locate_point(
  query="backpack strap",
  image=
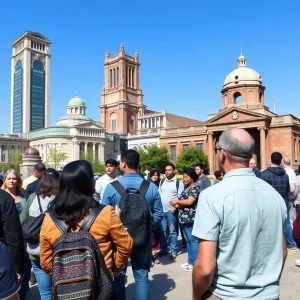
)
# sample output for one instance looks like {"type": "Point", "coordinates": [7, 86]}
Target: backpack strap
{"type": "Point", "coordinates": [119, 187]}
{"type": "Point", "coordinates": [89, 220]}
{"type": "Point", "coordinates": [60, 224]}
{"type": "Point", "coordinates": [161, 182]}
{"type": "Point", "coordinates": [177, 184]}
{"type": "Point", "coordinates": [144, 187]}
{"type": "Point", "coordinates": [40, 206]}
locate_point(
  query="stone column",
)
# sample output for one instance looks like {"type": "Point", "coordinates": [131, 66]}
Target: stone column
{"type": "Point", "coordinates": [263, 160]}
{"type": "Point", "coordinates": [210, 152]}
{"type": "Point", "coordinates": [102, 152]}
{"type": "Point", "coordinates": [85, 148]}
{"type": "Point", "coordinates": [94, 148]}
{"type": "Point", "coordinates": [99, 152]}
{"type": "Point", "coordinates": [0, 153]}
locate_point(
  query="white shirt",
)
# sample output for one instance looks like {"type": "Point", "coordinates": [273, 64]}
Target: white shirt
{"type": "Point", "coordinates": [292, 175]}
{"type": "Point", "coordinates": [102, 183]}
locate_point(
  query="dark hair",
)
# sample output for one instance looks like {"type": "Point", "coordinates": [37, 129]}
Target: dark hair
{"type": "Point", "coordinates": [52, 172]}
{"type": "Point", "coordinates": [40, 167]}
{"type": "Point", "coordinates": [74, 197]}
{"type": "Point", "coordinates": [131, 158]}
{"type": "Point", "coordinates": [191, 173]}
{"type": "Point", "coordinates": [200, 165]}
{"type": "Point", "coordinates": [218, 173]}
{"type": "Point", "coordinates": [112, 162]}
{"type": "Point", "coordinates": [48, 185]}
{"type": "Point", "coordinates": [276, 158]}
{"type": "Point", "coordinates": [153, 172]}
{"type": "Point", "coordinates": [170, 165]}
{"type": "Point", "coordinates": [298, 173]}
{"type": "Point", "coordinates": [1, 182]}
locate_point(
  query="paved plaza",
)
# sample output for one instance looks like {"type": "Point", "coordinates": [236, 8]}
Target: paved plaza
{"type": "Point", "coordinates": [169, 281]}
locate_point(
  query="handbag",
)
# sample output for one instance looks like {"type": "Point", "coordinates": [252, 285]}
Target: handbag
{"type": "Point", "coordinates": [32, 226]}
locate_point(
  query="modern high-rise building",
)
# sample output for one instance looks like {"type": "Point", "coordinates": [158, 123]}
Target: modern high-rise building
{"type": "Point", "coordinates": [30, 82]}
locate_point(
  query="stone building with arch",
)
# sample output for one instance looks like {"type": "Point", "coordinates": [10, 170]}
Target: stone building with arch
{"type": "Point", "coordinates": [242, 107]}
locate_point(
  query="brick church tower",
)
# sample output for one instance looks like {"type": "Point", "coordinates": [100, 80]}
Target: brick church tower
{"type": "Point", "coordinates": [122, 97]}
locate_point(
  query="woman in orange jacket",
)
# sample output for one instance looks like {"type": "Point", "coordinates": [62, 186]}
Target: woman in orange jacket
{"type": "Point", "coordinates": [72, 203]}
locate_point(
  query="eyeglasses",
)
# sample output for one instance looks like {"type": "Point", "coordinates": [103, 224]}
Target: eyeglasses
{"type": "Point", "coordinates": [219, 149]}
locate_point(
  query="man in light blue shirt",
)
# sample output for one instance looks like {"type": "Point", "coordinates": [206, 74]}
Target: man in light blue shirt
{"type": "Point", "coordinates": [240, 226]}
{"type": "Point", "coordinates": [140, 257]}
{"type": "Point", "coordinates": [170, 188]}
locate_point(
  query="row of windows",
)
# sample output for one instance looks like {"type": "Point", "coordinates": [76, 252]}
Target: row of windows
{"type": "Point", "coordinates": [37, 46]}
{"type": "Point", "coordinates": [114, 77]}
{"type": "Point", "coordinates": [130, 77]}
{"type": "Point", "coordinates": [18, 98]}
{"type": "Point", "coordinates": [199, 146]}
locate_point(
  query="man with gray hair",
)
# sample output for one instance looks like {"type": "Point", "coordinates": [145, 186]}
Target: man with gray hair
{"type": "Point", "coordinates": [239, 223]}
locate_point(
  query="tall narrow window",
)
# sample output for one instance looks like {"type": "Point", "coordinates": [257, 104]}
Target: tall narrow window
{"type": "Point", "coordinates": [185, 146]}
{"type": "Point", "coordinates": [37, 106]}
{"type": "Point", "coordinates": [129, 77]}
{"type": "Point", "coordinates": [126, 80]}
{"type": "Point", "coordinates": [18, 98]}
{"type": "Point", "coordinates": [199, 146]}
{"type": "Point", "coordinates": [133, 78]}
{"type": "Point", "coordinates": [114, 77]}
{"type": "Point", "coordinates": [110, 78]}
{"type": "Point", "coordinates": [113, 122]}
{"type": "Point", "coordinates": [173, 153]}
{"type": "Point", "coordinates": [118, 77]}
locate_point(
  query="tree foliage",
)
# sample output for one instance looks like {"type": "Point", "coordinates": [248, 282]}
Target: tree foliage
{"type": "Point", "coordinates": [153, 157]}
{"type": "Point", "coordinates": [56, 157]}
{"type": "Point", "coordinates": [189, 157]}
{"type": "Point", "coordinates": [15, 159]}
{"type": "Point", "coordinates": [92, 158]}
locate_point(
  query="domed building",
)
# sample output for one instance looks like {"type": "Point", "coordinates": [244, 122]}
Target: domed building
{"type": "Point", "coordinates": [73, 135]}
{"type": "Point", "coordinates": [242, 107]}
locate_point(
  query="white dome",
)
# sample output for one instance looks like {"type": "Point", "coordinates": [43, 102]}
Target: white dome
{"type": "Point", "coordinates": [242, 75]}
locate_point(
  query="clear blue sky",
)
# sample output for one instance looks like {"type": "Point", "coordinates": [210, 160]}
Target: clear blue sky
{"type": "Point", "coordinates": [186, 48]}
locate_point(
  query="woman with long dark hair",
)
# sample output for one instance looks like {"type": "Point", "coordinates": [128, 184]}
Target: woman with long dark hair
{"type": "Point", "coordinates": [155, 178]}
{"type": "Point", "coordinates": [186, 205]}
{"type": "Point", "coordinates": [73, 202]}
{"type": "Point", "coordinates": [44, 194]}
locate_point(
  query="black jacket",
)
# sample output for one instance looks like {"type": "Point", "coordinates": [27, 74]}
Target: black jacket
{"type": "Point", "coordinates": [279, 180]}
{"type": "Point", "coordinates": [10, 230]}
{"type": "Point", "coordinates": [31, 188]}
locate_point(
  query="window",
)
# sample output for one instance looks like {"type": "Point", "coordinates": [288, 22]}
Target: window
{"type": "Point", "coordinates": [37, 107]}
{"type": "Point", "coordinates": [113, 122]}
{"type": "Point", "coordinates": [173, 153]}
{"type": "Point", "coordinates": [18, 98]}
{"type": "Point", "coordinates": [185, 146]}
{"type": "Point", "coordinates": [237, 98]}
{"type": "Point", "coordinates": [199, 146]}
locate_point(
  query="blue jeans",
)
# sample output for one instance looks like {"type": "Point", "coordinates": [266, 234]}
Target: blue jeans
{"type": "Point", "coordinates": [44, 281]}
{"type": "Point", "coordinates": [25, 282]}
{"type": "Point", "coordinates": [140, 262]}
{"type": "Point", "coordinates": [288, 227]}
{"type": "Point", "coordinates": [191, 242]}
{"type": "Point", "coordinates": [169, 222]}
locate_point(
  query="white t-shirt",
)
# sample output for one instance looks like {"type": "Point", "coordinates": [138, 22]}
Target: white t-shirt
{"type": "Point", "coordinates": [292, 175]}
{"type": "Point", "coordinates": [102, 183]}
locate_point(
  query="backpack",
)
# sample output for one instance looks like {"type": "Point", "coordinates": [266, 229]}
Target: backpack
{"type": "Point", "coordinates": [32, 226]}
{"type": "Point", "coordinates": [135, 214]}
{"type": "Point", "coordinates": [177, 183]}
{"type": "Point", "coordinates": [78, 266]}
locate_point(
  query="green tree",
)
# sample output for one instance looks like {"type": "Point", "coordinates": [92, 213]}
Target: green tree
{"type": "Point", "coordinates": [153, 157]}
{"type": "Point", "coordinates": [92, 158]}
{"type": "Point", "coordinates": [56, 157]}
{"type": "Point", "coordinates": [15, 158]}
{"type": "Point", "coordinates": [189, 157]}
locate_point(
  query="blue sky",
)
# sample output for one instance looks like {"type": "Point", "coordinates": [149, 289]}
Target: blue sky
{"type": "Point", "coordinates": [186, 48]}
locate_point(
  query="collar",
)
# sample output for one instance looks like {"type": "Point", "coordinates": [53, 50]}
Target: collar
{"type": "Point", "coordinates": [239, 172]}
{"type": "Point", "coordinates": [131, 175]}
{"type": "Point", "coordinates": [172, 179]}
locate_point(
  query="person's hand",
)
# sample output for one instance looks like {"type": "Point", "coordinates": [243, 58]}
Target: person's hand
{"type": "Point", "coordinates": [176, 206]}
{"type": "Point", "coordinates": [118, 211]}
{"type": "Point", "coordinates": [172, 211]}
{"type": "Point", "coordinates": [20, 276]}
{"type": "Point", "coordinates": [173, 202]}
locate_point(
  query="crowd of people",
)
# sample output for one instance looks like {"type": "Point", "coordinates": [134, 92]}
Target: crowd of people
{"type": "Point", "coordinates": [236, 228]}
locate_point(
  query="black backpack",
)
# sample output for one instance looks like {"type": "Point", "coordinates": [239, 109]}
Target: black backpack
{"type": "Point", "coordinates": [78, 267]}
{"type": "Point", "coordinates": [32, 226]}
{"type": "Point", "coordinates": [135, 214]}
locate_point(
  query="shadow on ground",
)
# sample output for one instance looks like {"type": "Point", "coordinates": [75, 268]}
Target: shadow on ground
{"type": "Point", "coordinates": [160, 285]}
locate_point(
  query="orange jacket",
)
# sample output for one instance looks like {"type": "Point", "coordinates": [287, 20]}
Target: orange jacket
{"type": "Point", "coordinates": [106, 229]}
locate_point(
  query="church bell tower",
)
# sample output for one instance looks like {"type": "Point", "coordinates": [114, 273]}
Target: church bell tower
{"type": "Point", "coordinates": [122, 97]}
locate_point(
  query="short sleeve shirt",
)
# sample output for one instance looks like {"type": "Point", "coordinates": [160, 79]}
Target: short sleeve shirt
{"type": "Point", "coordinates": [187, 214]}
